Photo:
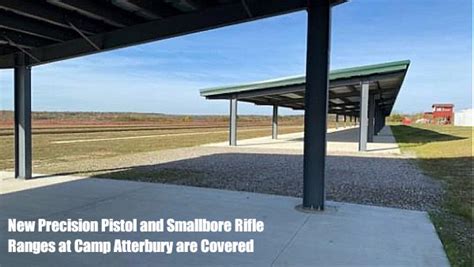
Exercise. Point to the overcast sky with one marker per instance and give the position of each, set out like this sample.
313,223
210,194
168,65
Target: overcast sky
166,76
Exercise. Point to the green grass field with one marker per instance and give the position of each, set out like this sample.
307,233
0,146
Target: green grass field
445,153
50,149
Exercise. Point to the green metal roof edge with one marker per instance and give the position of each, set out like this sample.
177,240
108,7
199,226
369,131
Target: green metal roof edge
345,73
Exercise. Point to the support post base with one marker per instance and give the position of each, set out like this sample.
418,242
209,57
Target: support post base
327,208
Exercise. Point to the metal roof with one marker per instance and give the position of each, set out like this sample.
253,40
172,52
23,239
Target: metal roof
52,30
443,105
344,88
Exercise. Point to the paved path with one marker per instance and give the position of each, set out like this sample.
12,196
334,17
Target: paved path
342,140
343,235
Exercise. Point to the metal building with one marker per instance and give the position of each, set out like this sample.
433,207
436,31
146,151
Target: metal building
440,114
463,118
372,87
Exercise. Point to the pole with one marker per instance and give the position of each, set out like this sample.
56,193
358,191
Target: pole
316,103
275,122
233,122
364,105
22,84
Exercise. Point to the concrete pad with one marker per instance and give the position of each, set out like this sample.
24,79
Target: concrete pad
341,140
344,234
11,184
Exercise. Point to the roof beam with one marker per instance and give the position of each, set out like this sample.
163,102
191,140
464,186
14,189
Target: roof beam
300,88
96,10
378,85
296,89
23,40
263,102
334,95
370,78
296,103
4,49
353,89
187,5
157,9
36,10
18,23
22,49
287,101
352,94
84,37
272,91
209,18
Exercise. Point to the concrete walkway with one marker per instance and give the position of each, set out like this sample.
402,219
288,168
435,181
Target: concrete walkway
343,235
338,141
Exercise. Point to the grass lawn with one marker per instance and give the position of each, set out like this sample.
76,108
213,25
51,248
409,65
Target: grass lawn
445,153
48,155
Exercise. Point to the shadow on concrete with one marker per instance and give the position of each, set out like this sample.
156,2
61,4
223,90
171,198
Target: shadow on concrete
348,135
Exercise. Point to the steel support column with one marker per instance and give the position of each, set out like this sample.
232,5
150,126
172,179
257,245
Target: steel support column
371,129
345,120
316,103
233,122
337,121
376,120
381,120
364,106
22,84
275,122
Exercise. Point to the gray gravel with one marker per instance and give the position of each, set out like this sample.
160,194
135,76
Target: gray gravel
375,180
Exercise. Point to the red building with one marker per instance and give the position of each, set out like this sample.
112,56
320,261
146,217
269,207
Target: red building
406,121
440,114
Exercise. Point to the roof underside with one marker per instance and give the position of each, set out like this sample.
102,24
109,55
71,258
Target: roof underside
52,30
385,81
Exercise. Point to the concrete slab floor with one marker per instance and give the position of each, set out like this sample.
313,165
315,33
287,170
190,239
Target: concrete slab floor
343,235
341,140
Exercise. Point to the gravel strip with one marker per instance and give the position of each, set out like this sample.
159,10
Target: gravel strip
366,179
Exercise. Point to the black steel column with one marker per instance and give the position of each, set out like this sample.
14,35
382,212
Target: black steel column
380,120
275,122
371,130
316,103
376,120
22,84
